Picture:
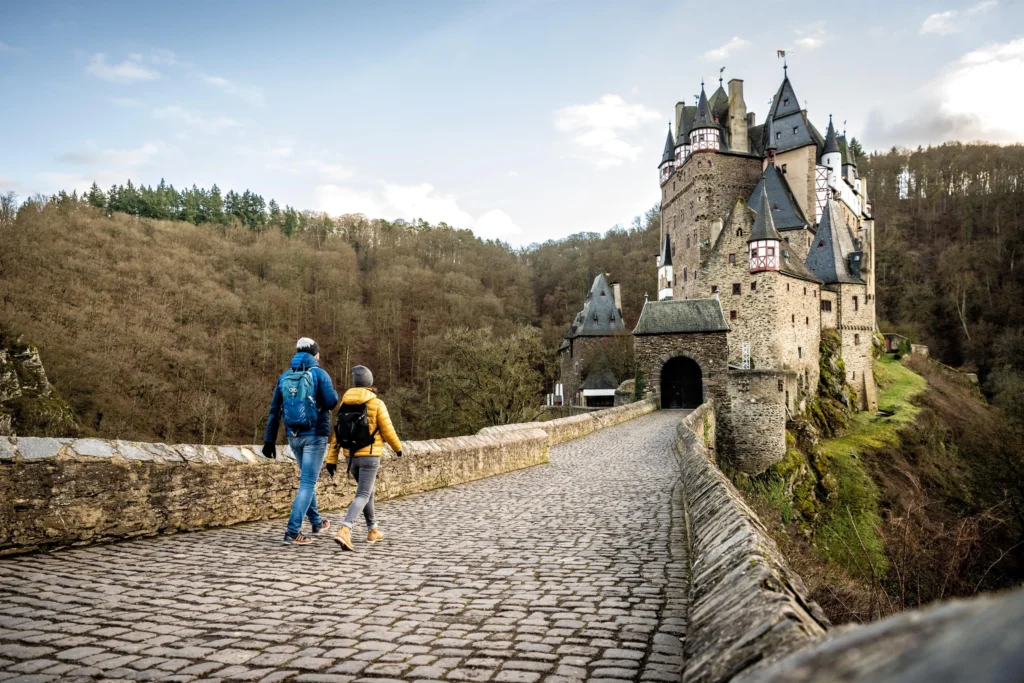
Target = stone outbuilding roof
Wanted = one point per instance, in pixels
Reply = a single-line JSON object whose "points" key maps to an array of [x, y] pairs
{"points": [[599, 317], [682, 316], [600, 379], [786, 212], [831, 249]]}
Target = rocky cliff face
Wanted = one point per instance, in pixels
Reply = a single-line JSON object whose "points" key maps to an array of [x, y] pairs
{"points": [[28, 404]]}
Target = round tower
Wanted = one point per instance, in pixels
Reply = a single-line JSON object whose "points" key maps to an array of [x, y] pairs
{"points": [[764, 243], [667, 158], [831, 157], [705, 135]]}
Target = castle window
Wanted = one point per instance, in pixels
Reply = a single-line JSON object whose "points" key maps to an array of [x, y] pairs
{"points": [[673, 249], [732, 259], [787, 286], [853, 374], [687, 242], [778, 135], [739, 232], [855, 303], [799, 352], [709, 163], [821, 243], [795, 129], [771, 251], [714, 289], [736, 288], [753, 286], [780, 385], [856, 339], [805, 291], [807, 321], [826, 306], [684, 274], [792, 318], [784, 169], [785, 102], [732, 315]]}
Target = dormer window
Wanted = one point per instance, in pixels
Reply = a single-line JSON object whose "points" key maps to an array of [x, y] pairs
{"points": [[784, 169], [795, 129], [785, 102], [778, 135]]}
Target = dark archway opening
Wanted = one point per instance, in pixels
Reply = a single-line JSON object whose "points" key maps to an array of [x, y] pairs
{"points": [[681, 383]]}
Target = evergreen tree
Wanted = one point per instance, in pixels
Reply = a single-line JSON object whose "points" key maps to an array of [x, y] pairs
{"points": [[96, 197]]}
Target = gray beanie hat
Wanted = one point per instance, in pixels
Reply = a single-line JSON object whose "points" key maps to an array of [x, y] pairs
{"points": [[361, 376]]}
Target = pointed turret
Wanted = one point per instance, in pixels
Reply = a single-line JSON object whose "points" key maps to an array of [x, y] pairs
{"points": [[683, 134], [831, 157], [668, 157], [764, 239], [831, 142], [833, 257], [772, 145], [665, 270], [705, 135]]}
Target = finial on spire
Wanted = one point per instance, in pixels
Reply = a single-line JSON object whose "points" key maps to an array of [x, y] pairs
{"points": [[702, 84], [720, 71], [781, 54]]}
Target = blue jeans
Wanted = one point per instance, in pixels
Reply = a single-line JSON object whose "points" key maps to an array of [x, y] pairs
{"points": [[309, 453], [364, 469]]}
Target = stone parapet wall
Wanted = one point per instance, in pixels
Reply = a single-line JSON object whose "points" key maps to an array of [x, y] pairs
{"points": [[746, 605], [567, 428], [62, 492]]}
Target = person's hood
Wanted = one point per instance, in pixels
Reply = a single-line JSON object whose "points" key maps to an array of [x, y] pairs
{"points": [[358, 395], [304, 361]]}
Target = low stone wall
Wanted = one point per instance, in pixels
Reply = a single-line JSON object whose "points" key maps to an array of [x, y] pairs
{"points": [[61, 492], [745, 606], [567, 428]]}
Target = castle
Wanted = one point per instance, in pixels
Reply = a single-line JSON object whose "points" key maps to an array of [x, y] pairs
{"points": [[767, 239]]}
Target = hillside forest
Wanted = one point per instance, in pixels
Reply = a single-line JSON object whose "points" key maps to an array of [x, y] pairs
{"points": [[167, 316]]}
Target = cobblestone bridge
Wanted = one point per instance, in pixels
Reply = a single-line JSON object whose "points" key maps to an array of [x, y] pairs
{"points": [[564, 572]]}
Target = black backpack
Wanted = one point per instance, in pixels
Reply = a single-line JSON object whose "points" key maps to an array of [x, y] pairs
{"points": [[352, 431]]}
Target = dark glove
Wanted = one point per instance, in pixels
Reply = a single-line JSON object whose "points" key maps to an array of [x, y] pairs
{"points": [[332, 467], [398, 454], [269, 450]]}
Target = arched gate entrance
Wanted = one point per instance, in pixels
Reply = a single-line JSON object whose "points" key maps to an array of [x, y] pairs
{"points": [[681, 383]]}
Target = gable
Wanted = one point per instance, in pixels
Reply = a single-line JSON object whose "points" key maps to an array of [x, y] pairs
{"points": [[786, 212]]}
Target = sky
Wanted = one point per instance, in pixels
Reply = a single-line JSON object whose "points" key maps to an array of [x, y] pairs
{"points": [[525, 121]]}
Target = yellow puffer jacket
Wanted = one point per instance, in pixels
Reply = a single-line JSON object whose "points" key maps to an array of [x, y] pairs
{"points": [[377, 415]]}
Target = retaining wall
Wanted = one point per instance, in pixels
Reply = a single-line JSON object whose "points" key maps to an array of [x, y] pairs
{"points": [[567, 428], [746, 605], [60, 492]]}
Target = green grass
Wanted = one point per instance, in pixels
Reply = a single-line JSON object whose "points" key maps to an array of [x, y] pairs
{"points": [[868, 431], [847, 532]]}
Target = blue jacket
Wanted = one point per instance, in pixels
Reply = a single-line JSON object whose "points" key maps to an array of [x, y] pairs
{"points": [[326, 399]]}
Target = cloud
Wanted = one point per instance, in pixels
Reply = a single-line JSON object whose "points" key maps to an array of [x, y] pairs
{"points": [[982, 7], [164, 57], [410, 202], [951, 109], [597, 126], [735, 44], [250, 94], [4, 47], [940, 24], [113, 157], [813, 38], [128, 71], [205, 124]]}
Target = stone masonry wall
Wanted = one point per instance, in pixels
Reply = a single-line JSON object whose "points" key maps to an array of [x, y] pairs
{"points": [[567, 428], [745, 605], [753, 435], [61, 492]]}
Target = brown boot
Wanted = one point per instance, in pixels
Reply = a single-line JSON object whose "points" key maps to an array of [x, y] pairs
{"points": [[344, 538], [374, 535]]}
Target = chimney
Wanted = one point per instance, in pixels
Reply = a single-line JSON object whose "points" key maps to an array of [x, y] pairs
{"points": [[751, 119], [617, 291], [738, 140]]}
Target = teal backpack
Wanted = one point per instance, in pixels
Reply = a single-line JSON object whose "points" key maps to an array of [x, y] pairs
{"points": [[299, 411]]}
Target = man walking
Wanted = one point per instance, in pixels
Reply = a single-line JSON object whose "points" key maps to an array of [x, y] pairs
{"points": [[303, 400]]}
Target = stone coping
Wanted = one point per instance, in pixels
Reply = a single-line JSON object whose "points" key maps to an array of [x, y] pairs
{"points": [[567, 428], [745, 605]]}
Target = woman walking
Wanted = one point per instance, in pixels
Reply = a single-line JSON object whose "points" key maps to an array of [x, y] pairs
{"points": [[364, 462]]}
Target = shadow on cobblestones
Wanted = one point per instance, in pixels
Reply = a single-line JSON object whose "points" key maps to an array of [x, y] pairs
{"points": [[563, 572]]}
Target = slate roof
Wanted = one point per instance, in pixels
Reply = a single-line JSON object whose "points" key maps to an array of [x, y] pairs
{"points": [[685, 125], [685, 316], [831, 144], [831, 247], [719, 103], [786, 212], [599, 317], [764, 226], [785, 101], [666, 251], [794, 268], [770, 144], [600, 379], [704, 117], [794, 131], [670, 149]]}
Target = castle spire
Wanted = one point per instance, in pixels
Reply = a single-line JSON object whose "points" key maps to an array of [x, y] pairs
{"points": [[764, 241], [705, 134], [668, 157], [831, 143]]}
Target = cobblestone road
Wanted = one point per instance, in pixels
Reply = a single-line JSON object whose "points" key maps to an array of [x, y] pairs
{"points": [[558, 573]]}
